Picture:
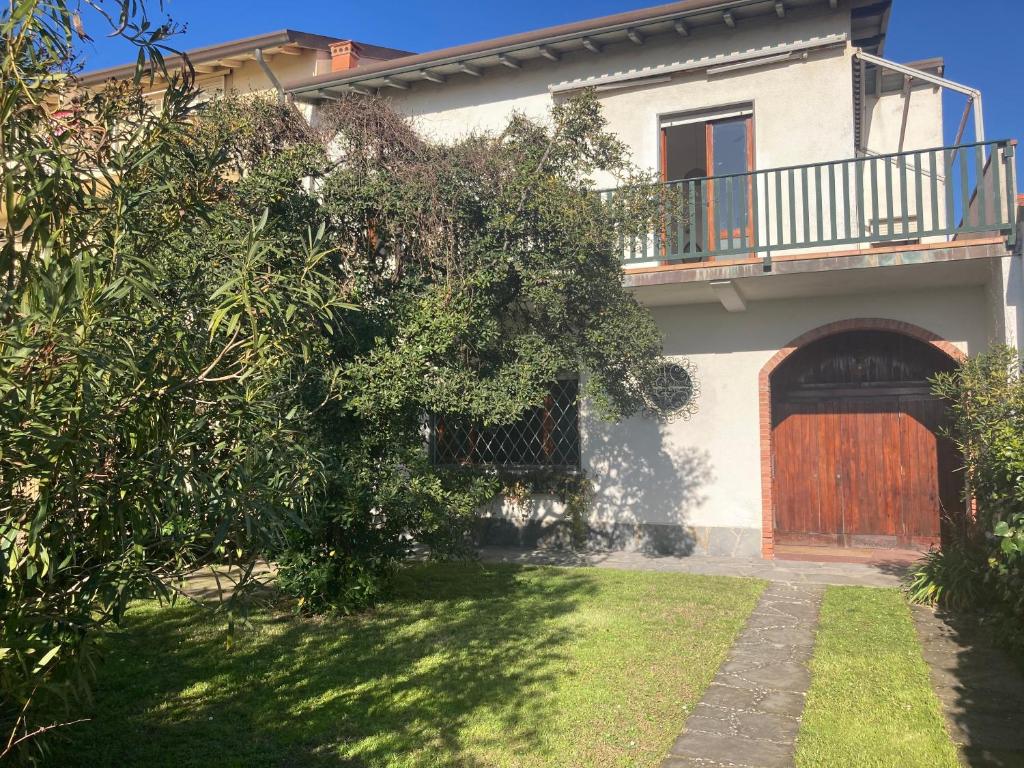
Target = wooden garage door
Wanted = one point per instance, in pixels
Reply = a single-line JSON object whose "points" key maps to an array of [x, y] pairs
{"points": [[858, 456]]}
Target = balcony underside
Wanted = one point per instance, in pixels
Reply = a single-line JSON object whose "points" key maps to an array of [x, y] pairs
{"points": [[827, 273]]}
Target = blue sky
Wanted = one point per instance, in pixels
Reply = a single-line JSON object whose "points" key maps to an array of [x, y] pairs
{"points": [[980, 39]]}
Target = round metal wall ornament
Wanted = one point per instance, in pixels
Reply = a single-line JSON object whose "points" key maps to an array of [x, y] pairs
{"points": [[675, 391]]}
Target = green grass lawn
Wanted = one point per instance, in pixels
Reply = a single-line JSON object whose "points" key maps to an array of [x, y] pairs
{"points": [[870, 702], [468, 665]]}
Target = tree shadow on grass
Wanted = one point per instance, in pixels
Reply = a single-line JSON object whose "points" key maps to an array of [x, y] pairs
{"points": [[461, 664]]}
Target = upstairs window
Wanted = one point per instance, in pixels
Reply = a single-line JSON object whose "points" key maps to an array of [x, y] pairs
{"points": [[706, 159], [547, 437]]}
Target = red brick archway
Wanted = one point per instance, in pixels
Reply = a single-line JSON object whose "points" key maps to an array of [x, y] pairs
{"points": [[764, 398]]}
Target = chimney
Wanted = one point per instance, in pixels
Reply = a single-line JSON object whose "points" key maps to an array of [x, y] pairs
{"points": [[344, 55]]}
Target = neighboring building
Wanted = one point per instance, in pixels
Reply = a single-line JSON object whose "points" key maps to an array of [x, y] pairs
{"points": [[831, 255], [257, 64]]}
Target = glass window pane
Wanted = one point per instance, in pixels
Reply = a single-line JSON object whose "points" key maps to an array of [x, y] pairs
{"points": [[729, 156]]}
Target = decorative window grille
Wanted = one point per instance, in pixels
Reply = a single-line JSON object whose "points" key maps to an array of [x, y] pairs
{"points": [[675, 391], [547, 437]]}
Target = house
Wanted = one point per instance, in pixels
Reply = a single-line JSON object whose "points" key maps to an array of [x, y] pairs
{"points": [[254, 64], [833, 250]]}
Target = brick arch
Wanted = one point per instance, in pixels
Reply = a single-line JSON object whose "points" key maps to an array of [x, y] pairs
{"points": [[765, 397]]}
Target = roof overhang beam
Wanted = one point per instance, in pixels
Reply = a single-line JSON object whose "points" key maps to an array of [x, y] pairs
{"points": [[684, 22], [752, 58], [549, 53]]}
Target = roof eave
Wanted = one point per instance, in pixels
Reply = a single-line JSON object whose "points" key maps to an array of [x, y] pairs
{"points": [[210, 53], [539, 43]]}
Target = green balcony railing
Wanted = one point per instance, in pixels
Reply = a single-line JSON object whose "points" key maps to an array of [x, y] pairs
{"points": [[966, 190]]}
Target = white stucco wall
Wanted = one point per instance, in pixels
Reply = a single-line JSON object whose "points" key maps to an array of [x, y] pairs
{"points": [[924, 121], [706, 471], [1005, 296], [803, 110], [882, 127], [286, 68]]}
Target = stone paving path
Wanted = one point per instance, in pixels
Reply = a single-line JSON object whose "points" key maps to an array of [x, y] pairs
{"points": [[789, 571], [750, 714], [217, 584], [981, 691]]}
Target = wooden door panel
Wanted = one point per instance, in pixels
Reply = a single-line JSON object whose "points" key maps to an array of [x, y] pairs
{"points": [[796, 492], [863, 471], [871, 464], [923, 470], [806, 434], [829, 460], [857, 448]]}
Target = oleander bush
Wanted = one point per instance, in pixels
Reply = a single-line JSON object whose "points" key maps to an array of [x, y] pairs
{"points": [[158, 362]]}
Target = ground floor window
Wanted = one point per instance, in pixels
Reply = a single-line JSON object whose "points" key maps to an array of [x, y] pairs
{"points": [[544, 437]]}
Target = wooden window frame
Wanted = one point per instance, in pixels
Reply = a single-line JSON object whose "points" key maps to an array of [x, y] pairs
{"points": [[748, 117]]}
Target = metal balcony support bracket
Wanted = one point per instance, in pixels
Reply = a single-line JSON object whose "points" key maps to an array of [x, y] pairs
{"points": [[262, 61], [907, 82], [973, 94]]}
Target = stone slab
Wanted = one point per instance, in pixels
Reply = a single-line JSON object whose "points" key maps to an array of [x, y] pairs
{"points": [[650, 539], [980, 690], [750, 714], [794, 572]]}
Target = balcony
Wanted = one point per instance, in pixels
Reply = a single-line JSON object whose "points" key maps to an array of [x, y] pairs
{"points": [[915, 199]]}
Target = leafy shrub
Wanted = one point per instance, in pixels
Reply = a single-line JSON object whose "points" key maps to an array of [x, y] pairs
{"points": [[952, 577], [484, 268], [182, 377], [324, 581], [985, 568]]}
